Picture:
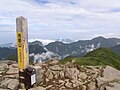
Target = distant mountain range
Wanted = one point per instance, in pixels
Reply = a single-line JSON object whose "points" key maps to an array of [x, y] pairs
{"points": [[8, 45], [75, 49], [81, 47], [38, 41]]}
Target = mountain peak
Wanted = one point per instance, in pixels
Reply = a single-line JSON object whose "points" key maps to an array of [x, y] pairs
{"points": [[36, 42], [65, 40], [99, 38]]}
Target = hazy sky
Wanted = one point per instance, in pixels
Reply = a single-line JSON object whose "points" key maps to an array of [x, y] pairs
{"points": [[53, 19]]}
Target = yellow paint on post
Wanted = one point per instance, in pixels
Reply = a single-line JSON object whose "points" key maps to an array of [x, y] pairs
{"points": [[20, 50]]}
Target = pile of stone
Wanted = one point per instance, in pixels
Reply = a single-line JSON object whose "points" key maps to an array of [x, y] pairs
{"points": [[52, 75], [9, 75]]}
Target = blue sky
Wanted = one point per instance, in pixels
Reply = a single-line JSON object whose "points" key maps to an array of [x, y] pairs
{"points": [[53, 19]]}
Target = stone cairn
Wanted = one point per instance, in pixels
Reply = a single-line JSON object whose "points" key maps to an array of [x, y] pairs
{"points": [[52, 75]]}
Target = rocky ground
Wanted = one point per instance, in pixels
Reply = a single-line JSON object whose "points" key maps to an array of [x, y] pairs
{"points": [[52, 75]]}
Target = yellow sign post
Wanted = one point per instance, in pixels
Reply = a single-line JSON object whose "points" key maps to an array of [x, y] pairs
{"points": [[22, 42]]}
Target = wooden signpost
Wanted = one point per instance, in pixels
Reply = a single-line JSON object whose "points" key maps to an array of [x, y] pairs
{"points": [[27, 74], [22, 42]]}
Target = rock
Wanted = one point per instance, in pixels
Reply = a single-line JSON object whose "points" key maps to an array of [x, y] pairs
{"points": [[68, 84], [38, 88], [8, 62], [1, 72], [53, 62], [22, 85], [13, 66], [56, 68], [50, 86], [75, 83], [49, 74], [101, 81], [3, 66], [113, 86], [56, 76], [12, 76], [71, 73], [4, 83], [13, 71], [82, 75], [92, 86], [61, 83], [39, 74], [62, 88], [111, 73], [13, 85], [61, 74], [83, 87]]}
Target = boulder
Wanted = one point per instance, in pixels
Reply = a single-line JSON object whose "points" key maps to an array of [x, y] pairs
{"points": [[68, 84], [53, 62], [61, 82], [39, 74], [76, 83], [3, 66], [113, 86], [49, 74], [101, 81], [56, 68], [71, 73], [4, 83], [13, 71], [61, 74], [13, 85], [92, 86], [49, 87], [12, 76], [13, 66], [111, 73], [1, 72], [38, 88], [82, 75]]}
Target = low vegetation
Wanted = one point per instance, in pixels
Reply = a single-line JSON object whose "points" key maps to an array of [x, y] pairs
{"points": [[101, 56]]}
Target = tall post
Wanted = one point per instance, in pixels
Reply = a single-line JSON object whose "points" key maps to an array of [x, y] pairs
{"points": [[22, 42]]}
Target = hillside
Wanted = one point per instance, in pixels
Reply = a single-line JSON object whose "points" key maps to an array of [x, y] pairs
{"points": [[101, 56], [5, 53], [116, 49]]}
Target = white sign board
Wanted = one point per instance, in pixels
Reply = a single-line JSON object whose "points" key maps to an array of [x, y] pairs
{"points": [[33, 79]]}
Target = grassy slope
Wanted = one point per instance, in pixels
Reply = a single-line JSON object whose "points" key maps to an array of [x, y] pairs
{"points": [[101, 56]]}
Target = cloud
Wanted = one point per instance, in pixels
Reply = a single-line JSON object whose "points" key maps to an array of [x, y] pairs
{"points": [[44, 41], [52, 19], [45, 56]]}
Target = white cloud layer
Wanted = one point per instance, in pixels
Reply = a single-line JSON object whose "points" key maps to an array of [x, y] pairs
{"points": [[52, 19]]}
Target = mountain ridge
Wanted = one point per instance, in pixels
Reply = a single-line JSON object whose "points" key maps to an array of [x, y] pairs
{"points": [[78, 48]]}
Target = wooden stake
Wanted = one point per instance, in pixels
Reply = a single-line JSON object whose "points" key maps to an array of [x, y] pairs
{"points": [[22, 42]]}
